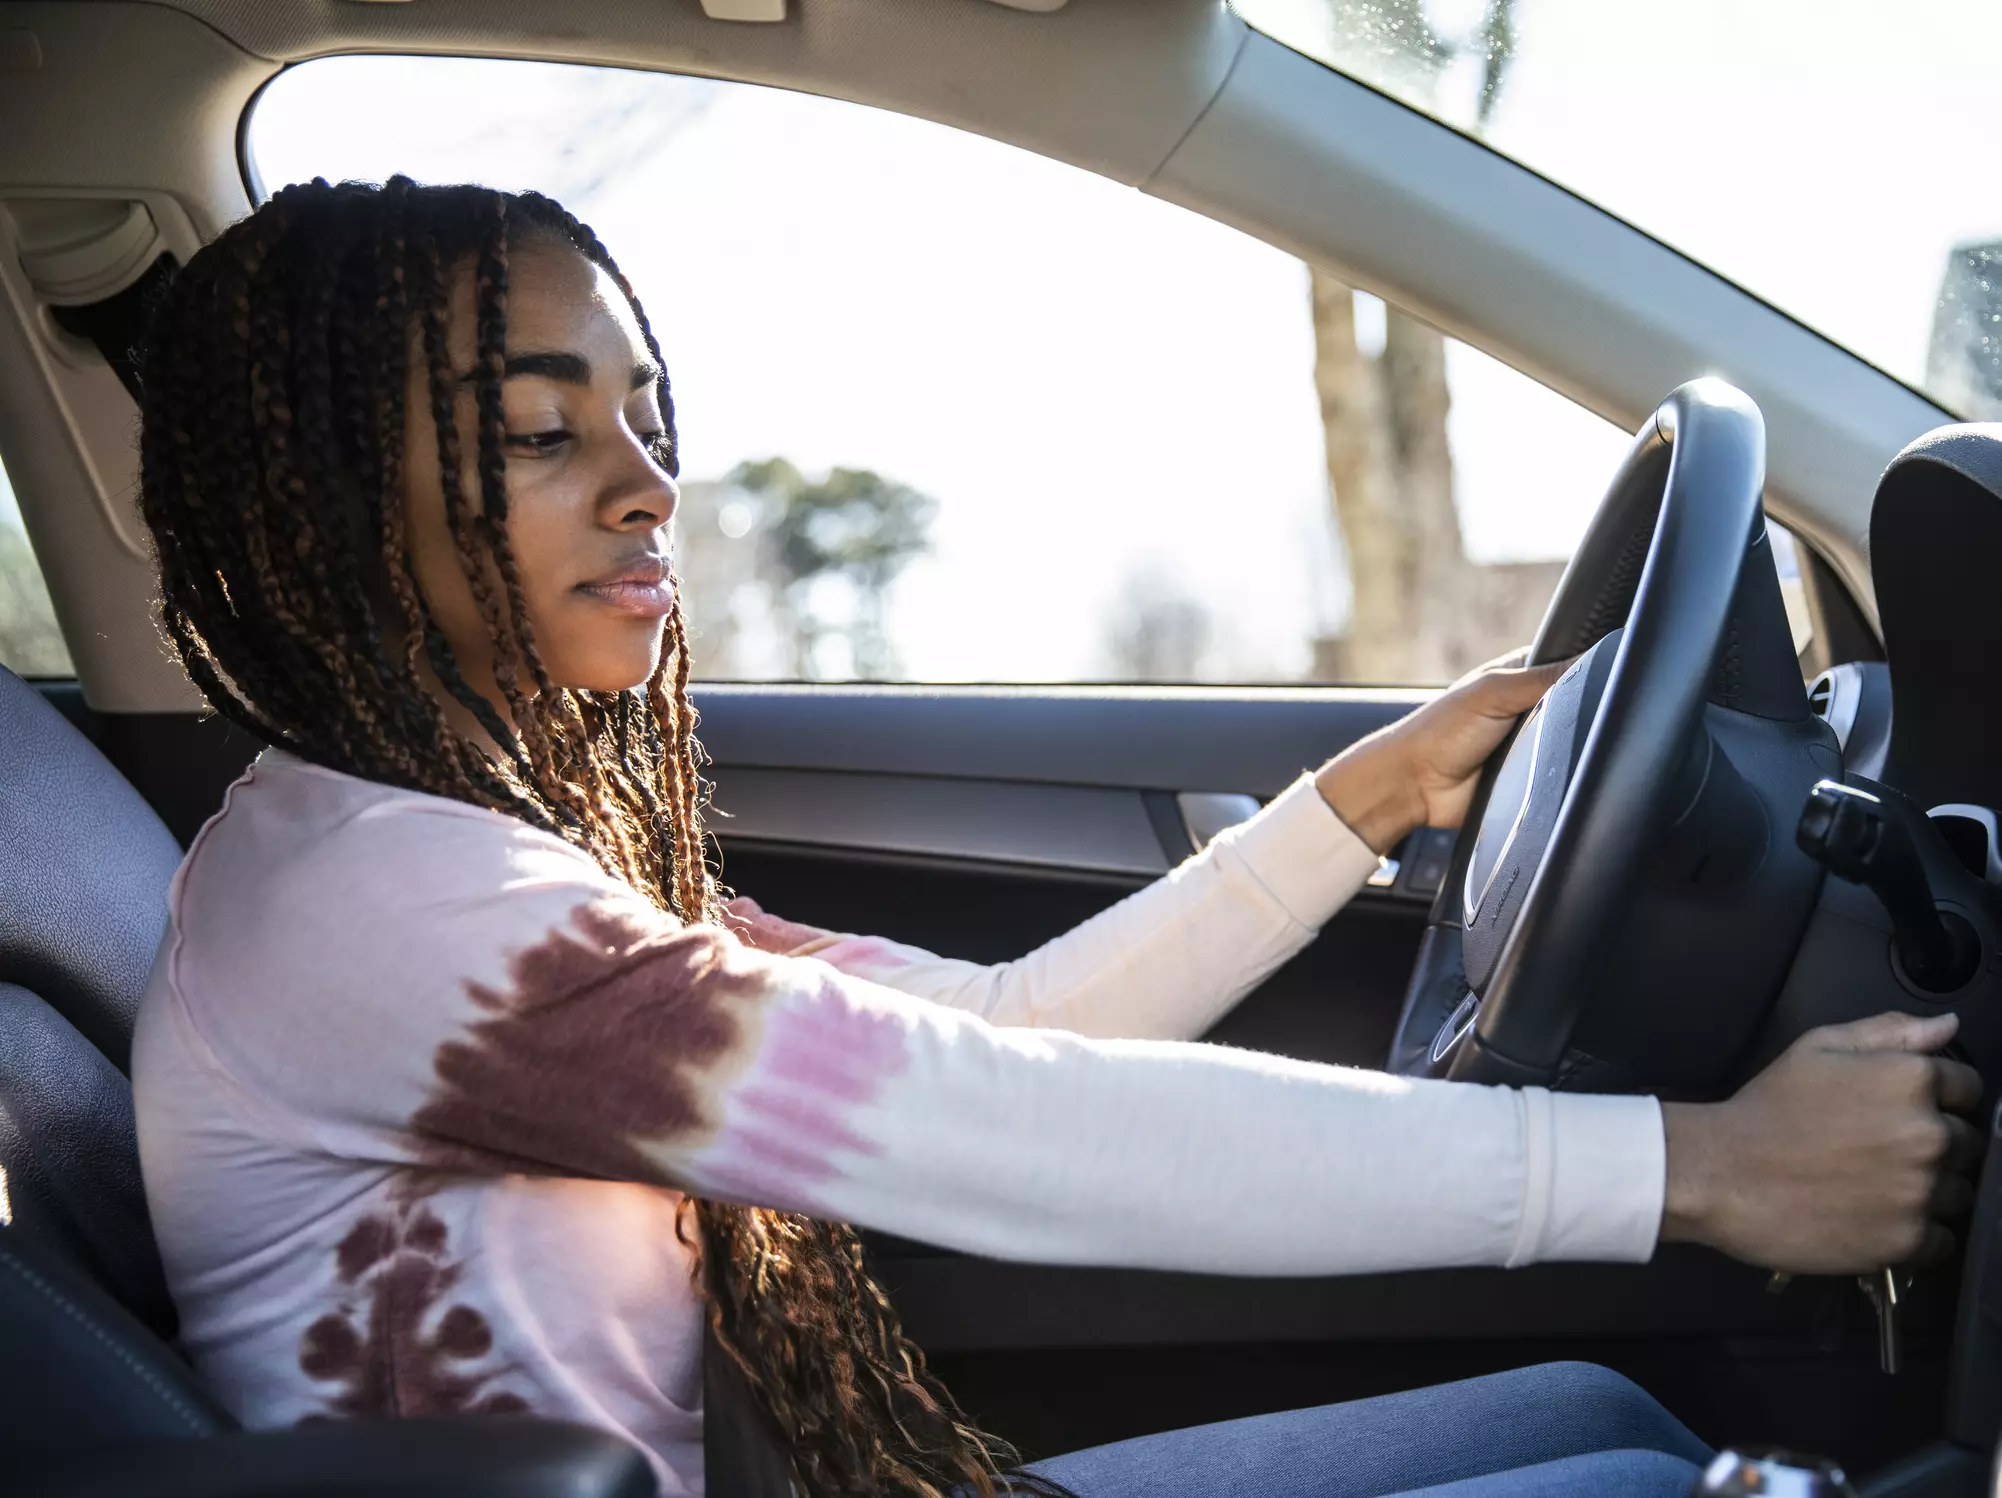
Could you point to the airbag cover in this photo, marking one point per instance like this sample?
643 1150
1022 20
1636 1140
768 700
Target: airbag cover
1522 808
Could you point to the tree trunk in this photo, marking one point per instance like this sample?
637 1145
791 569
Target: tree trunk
1384 428
1421 612
1416 403
1382 559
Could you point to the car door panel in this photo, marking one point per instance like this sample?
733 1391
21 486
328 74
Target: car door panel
1336 1002
913 837
1090 829
951 1303
1254 740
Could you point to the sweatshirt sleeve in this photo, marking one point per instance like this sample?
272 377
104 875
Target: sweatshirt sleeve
875 1107
1167 962
516 1011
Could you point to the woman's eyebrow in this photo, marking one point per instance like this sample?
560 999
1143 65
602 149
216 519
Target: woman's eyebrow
569 369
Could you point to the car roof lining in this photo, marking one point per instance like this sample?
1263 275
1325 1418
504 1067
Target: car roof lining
1177 97
1117 81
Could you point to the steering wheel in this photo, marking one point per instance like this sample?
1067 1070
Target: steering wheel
1647 799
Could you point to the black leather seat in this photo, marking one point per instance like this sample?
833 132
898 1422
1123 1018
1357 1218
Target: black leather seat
84 865
93 1399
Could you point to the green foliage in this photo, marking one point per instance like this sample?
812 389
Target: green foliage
853 525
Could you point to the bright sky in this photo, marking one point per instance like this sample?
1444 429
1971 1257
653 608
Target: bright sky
1823 153
1096 384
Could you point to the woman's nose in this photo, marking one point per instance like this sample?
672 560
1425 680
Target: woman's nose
644 501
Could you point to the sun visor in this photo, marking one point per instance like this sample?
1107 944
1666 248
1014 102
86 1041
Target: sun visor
1936 560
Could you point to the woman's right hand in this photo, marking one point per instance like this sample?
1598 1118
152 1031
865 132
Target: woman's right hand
1839 1158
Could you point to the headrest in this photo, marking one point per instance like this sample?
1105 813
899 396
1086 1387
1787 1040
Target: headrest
1936 562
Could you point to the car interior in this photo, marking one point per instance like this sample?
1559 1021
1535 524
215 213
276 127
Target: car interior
1706 841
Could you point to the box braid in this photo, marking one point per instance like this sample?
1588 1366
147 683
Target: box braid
272 470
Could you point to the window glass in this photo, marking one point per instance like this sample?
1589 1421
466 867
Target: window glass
30 642
951 411
1793 591
1829 155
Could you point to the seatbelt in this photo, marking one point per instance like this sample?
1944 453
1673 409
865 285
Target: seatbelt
743 1452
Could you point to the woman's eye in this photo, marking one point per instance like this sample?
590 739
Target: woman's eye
538 442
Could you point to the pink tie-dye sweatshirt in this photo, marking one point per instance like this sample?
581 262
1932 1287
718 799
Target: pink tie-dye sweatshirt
418 1088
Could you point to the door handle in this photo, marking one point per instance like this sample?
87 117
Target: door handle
1206 813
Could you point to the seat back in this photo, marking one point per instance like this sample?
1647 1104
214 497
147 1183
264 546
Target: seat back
84 1312
79 1372
70 1158
84 866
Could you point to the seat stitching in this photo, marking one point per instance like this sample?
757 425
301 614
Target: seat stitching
180 1406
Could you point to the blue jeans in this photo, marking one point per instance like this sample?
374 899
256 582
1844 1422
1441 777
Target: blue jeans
1564 1430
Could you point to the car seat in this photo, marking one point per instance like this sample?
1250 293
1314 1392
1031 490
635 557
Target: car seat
93 1398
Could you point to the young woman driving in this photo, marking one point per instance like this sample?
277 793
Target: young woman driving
451 1013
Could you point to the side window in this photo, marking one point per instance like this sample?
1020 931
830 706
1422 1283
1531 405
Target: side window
954 412
30 642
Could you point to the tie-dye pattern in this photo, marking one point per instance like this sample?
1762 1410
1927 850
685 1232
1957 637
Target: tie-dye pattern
418 1089
394 1345
793 1113
628 998
762 931
867 957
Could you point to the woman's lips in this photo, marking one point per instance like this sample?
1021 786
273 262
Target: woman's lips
647 600
641 590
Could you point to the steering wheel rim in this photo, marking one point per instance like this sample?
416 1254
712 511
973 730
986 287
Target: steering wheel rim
1660 563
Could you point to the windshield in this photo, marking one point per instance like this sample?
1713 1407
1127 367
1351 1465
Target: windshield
1835 157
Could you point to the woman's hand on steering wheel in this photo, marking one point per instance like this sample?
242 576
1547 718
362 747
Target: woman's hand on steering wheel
1421 770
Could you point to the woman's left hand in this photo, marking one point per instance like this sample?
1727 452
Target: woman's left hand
1420 771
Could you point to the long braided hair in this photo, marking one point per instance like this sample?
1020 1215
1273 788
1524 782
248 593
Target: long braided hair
272 480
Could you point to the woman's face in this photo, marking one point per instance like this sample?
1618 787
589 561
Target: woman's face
588 507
